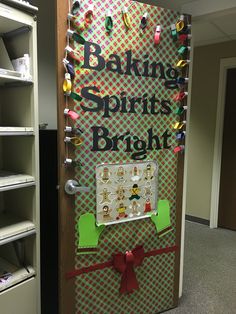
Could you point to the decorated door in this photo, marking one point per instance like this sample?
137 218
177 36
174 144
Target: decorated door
122 95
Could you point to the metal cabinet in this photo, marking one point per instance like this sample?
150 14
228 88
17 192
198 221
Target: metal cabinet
19 164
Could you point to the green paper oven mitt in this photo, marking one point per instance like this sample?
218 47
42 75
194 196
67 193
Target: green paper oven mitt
162 219
88 233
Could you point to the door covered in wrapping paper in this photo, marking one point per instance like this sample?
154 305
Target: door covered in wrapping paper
122 93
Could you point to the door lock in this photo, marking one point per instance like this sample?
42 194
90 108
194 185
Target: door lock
72 187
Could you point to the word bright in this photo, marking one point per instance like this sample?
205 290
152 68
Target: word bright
103 141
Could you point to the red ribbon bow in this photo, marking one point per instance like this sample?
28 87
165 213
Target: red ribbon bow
125 264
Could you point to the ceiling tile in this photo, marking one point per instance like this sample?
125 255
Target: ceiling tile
226 23
169 4
205 31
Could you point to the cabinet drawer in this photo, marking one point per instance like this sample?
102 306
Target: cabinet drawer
20 299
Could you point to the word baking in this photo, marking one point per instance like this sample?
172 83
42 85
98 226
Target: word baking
111 104
102 141
133 66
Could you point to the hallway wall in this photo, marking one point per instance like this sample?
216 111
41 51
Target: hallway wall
205 82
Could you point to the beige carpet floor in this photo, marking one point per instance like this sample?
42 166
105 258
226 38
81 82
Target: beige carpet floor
209 271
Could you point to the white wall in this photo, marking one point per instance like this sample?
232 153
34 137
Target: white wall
206 66
47 63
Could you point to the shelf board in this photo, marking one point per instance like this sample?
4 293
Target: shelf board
11 78
13 228
22 5
11 181
16 131
7 23
18 274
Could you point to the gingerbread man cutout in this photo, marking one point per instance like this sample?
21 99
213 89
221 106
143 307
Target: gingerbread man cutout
105 196
120 193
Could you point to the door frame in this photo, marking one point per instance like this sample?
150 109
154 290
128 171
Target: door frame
185 170
225 64
66 213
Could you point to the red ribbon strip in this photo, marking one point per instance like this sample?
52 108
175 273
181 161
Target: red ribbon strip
125 264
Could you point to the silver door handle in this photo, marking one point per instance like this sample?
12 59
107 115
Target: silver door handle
72 187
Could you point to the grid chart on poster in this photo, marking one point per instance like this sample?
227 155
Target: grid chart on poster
98 291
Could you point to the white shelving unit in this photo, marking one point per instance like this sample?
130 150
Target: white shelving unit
19 173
